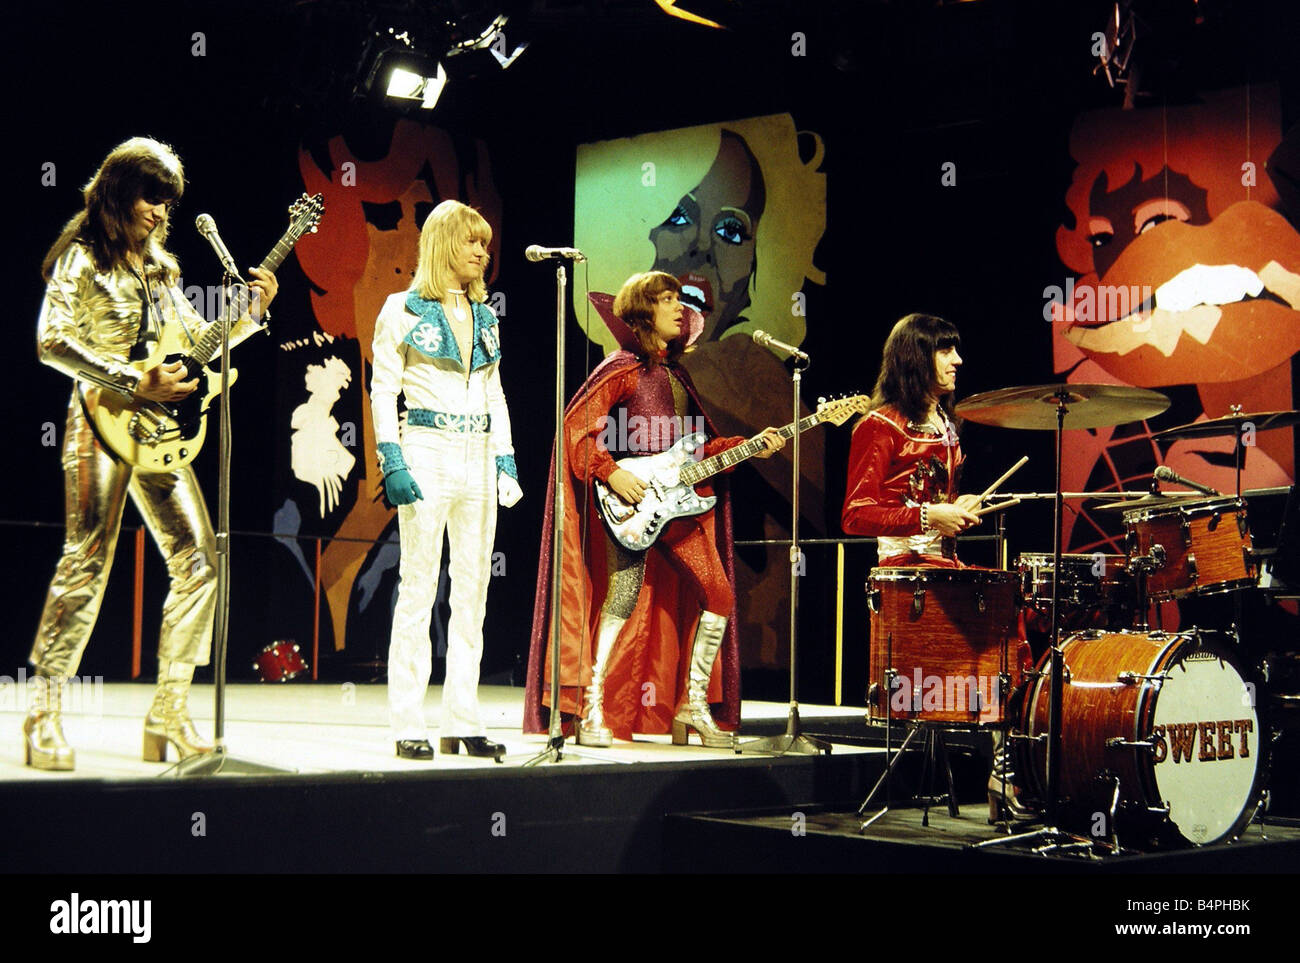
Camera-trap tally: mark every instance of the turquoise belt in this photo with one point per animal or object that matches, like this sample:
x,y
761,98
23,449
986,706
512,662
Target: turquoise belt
x,y
446,421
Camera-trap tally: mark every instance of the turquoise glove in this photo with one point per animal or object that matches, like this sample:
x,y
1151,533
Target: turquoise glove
x,y
401,488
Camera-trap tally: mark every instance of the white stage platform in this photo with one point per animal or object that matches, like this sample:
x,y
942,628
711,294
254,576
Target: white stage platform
x,y
313,728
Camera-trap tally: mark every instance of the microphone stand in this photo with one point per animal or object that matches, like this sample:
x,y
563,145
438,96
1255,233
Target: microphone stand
x,y
219,761
554,750
792,740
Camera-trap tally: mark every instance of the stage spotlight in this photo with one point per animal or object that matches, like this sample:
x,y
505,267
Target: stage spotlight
x,y
1115,49
402,75
405,84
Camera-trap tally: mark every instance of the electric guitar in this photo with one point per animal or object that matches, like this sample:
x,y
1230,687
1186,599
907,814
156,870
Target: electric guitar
x,y
166,436
670,478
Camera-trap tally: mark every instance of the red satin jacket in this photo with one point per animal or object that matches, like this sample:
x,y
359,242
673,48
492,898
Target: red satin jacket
x,y
894,468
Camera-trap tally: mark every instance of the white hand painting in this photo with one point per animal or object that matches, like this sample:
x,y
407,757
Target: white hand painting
x,y
317,456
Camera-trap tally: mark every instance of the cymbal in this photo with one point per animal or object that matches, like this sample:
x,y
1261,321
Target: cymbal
x,y
1232,424
1148,501
1087,406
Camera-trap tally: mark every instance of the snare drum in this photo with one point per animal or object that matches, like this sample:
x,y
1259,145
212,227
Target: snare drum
x,y
279,662
939,639
1206,545
1095,591
1170,716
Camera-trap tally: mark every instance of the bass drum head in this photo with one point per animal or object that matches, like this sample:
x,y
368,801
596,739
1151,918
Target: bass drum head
x,y
1207,744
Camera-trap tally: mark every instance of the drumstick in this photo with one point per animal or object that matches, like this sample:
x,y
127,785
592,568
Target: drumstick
x,y
1010,471
998,507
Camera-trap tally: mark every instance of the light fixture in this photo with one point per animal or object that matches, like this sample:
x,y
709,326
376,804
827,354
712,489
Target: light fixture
x,y
402,75
492,39
406,84
1117,44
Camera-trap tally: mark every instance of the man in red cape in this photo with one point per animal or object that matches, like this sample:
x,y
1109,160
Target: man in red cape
x,y
647,674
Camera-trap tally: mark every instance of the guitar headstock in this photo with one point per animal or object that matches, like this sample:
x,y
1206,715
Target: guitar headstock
x,y
839,410
305,214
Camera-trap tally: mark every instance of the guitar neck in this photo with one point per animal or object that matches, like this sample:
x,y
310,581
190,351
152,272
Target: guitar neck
x,y
206,348
696,473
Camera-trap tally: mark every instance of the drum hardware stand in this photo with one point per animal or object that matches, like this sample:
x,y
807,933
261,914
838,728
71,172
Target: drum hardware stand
x,y
218,761
1051,834
934,748
934,744
1143,566
792,740
890,675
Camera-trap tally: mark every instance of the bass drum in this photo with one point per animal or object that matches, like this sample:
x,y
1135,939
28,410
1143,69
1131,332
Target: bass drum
x,y
1168,717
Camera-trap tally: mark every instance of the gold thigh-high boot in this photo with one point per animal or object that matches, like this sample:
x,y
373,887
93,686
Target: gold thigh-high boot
x,y
169,716
592,730
44,746
694,712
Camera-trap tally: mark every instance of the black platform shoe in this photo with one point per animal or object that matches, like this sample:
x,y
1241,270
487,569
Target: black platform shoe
x,y
414,749
474,746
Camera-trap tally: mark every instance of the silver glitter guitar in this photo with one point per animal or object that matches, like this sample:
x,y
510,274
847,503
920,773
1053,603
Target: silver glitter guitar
x,y
670,477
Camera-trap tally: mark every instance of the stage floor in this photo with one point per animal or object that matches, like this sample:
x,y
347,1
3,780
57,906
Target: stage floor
x,y
321,728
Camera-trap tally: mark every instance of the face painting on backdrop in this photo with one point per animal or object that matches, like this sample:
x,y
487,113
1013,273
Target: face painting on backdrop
x,y
1187,283
734,211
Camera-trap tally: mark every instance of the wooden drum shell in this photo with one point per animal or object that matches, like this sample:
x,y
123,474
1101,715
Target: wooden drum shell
x,y
1207,547
940,626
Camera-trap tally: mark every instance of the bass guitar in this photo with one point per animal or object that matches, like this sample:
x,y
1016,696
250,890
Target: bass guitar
x,y
166,436
670,477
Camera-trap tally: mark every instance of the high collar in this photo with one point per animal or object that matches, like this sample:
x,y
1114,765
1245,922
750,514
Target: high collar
x,y
693,325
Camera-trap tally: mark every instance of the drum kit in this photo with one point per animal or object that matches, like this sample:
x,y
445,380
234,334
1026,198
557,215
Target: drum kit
x,y
1116,731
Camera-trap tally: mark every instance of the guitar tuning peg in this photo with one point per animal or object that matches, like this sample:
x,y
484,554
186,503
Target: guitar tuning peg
x,y
821,400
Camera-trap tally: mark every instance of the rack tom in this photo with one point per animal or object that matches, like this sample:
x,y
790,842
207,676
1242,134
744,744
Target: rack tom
x,y
1095,591
1206,547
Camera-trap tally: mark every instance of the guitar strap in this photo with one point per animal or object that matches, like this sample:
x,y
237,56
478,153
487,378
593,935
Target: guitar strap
x,y
180,315
149,329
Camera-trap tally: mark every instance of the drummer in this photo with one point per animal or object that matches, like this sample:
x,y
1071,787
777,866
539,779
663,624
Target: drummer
x,y
905,460
904,467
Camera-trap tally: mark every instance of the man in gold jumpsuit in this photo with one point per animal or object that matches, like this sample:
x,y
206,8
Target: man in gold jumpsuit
x,y
112,288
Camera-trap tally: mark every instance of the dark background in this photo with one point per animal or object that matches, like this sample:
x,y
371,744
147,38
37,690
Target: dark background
x,y
896,90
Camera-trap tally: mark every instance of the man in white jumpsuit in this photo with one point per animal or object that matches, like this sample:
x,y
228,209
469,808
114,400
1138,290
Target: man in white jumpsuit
x,y
445,467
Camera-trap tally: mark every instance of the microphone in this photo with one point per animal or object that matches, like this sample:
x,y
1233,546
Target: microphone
x,y
535,252
1167,474
208,228
767,341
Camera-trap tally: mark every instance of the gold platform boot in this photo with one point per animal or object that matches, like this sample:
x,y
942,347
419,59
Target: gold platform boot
x,y
592,730
43,744
169,716
694,712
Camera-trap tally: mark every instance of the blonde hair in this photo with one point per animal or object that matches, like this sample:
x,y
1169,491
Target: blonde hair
x,y
448,223
628,186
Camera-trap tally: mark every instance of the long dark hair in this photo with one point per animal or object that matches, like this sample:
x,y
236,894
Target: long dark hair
x,y
907,373
138,168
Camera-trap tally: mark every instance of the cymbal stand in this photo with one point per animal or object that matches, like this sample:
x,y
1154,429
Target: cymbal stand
x,y
1050,834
